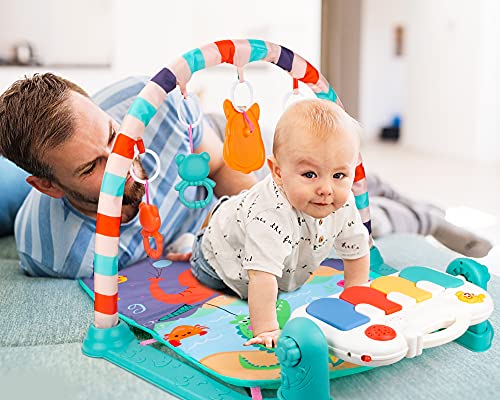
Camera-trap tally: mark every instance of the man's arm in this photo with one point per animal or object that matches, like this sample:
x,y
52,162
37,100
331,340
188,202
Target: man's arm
x,y
229,181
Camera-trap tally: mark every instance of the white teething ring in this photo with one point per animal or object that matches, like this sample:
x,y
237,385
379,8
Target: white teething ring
x,y
155,175
289,95
181,118
233,90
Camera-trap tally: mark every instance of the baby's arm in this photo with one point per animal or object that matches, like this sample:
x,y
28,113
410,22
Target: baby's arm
x,y
356,271
262,296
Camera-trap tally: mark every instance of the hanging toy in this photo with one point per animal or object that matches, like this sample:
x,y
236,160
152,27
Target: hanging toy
x,y
193,169
243,146
149,216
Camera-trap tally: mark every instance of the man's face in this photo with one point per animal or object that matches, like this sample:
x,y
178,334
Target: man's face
x,y
79,163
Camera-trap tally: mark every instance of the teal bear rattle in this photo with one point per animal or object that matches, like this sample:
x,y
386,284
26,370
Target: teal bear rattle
x,y
193,170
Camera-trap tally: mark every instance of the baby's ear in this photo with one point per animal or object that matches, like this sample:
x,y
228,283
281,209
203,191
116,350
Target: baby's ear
x,y
272,163
228,108
179,158
255,110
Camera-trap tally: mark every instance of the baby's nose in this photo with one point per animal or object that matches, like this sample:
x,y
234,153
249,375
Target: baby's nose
x,y
325,189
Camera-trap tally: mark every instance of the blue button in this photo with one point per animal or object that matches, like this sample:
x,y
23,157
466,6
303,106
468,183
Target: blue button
x,y
337,313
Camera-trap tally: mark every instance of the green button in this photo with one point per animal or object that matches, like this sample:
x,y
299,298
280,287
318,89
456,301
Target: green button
x,y
416,274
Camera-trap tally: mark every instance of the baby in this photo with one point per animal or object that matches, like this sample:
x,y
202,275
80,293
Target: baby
x,y
273,236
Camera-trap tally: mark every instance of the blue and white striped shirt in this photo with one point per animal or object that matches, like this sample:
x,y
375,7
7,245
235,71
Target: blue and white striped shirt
x,y
56,240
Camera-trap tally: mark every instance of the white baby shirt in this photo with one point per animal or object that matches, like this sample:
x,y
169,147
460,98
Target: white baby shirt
x,y
259,230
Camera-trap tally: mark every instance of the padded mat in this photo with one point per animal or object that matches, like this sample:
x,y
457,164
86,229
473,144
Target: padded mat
x,y
209,327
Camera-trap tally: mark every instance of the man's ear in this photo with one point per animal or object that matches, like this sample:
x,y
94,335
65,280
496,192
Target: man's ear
x,y
45,186
275,170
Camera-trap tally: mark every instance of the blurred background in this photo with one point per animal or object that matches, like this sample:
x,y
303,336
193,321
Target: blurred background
x,y
422,76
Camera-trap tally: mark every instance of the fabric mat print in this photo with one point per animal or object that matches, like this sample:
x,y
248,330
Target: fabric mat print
x,y
209,327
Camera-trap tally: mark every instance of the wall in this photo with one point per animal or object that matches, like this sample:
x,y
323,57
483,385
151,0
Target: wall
x,y
453,79
62,32
382,74
142,37
169,29
340,50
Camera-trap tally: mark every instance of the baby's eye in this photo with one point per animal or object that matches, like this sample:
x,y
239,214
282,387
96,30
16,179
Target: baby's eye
x,y
309,175
338,175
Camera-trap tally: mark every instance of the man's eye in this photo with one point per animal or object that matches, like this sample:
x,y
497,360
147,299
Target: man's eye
x,y
309,175
338,175
89,170
112,138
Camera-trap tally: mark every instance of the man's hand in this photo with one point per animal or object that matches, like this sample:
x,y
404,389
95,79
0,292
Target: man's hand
x,y
268,339
178,256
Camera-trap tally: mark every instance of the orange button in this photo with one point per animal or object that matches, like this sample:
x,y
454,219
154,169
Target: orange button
x,y
364,294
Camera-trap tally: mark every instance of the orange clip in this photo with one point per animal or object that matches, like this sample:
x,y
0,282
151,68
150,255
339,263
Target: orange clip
x,y
151,222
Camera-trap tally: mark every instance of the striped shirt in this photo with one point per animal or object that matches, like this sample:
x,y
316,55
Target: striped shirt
x,y
56,240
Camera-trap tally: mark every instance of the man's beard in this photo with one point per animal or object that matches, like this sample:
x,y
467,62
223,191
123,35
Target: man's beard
x,y
132,196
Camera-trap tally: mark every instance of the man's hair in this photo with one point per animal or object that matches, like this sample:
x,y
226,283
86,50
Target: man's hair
x,y
35,116
317,117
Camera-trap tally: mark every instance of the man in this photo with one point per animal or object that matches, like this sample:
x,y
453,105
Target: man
x,y
12,179
53,130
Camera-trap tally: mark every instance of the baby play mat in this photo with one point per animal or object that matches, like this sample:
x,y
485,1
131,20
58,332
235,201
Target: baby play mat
x,y
209,327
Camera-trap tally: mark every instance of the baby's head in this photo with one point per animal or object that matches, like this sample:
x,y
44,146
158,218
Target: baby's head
x,y
315,152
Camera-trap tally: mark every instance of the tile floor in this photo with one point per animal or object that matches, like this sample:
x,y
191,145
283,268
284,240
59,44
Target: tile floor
x,y
469,192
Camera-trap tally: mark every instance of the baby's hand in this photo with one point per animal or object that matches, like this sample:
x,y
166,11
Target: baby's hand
x,y
268,339
178,256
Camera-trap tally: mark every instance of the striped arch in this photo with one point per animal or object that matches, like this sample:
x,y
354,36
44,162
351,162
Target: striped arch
x,y
236,52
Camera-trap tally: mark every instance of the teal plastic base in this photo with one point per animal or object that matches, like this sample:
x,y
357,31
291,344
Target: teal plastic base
x,y
471,270
378,265
303,354
302,351
119,346
478,337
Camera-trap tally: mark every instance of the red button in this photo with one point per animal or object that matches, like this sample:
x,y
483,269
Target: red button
x,y
366,358
380,332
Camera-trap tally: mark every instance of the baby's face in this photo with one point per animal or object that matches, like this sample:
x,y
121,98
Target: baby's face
x,y
316,174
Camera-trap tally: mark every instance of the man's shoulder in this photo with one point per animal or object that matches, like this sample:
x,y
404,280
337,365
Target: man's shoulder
x,y
47,211
52,238
37,202
131,83
123,92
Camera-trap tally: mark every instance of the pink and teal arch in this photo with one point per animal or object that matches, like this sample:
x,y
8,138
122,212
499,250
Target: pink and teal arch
x,y
236,52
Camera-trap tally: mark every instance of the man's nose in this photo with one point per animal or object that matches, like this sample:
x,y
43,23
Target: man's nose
x,y
109,149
